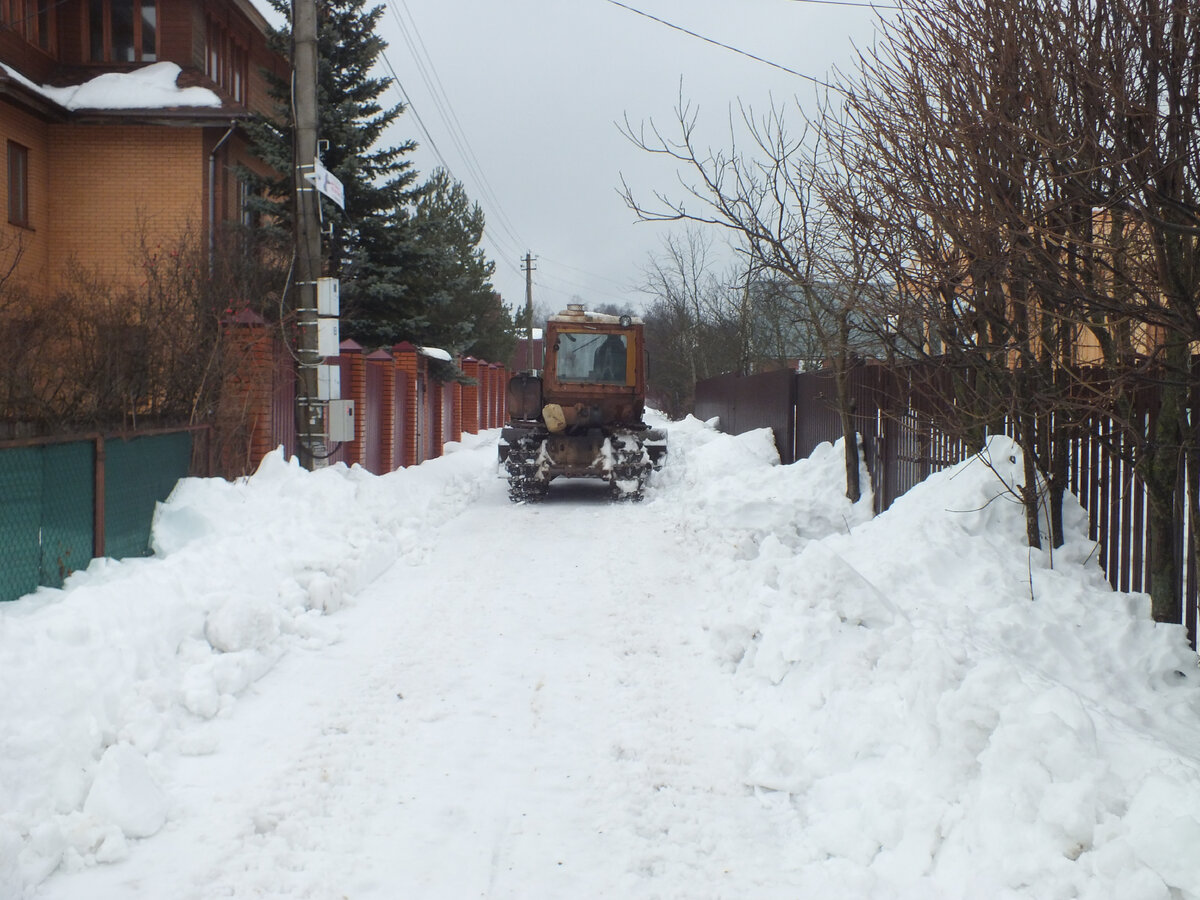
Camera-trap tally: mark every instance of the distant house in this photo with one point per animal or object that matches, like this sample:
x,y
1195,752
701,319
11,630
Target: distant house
x,y
120,117
786,326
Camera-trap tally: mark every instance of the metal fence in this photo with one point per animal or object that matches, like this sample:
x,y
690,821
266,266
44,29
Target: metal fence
x,y
902,445
65,501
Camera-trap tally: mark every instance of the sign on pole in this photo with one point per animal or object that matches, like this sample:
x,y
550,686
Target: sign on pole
x,y
325,182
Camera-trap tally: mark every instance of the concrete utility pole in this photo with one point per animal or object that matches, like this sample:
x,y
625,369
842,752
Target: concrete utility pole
x,y
529,270
310,421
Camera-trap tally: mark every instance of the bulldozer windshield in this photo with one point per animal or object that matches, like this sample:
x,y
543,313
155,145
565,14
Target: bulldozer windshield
x,y
588,357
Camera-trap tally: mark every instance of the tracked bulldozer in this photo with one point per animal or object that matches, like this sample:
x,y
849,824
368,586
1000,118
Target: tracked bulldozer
x,y
582,415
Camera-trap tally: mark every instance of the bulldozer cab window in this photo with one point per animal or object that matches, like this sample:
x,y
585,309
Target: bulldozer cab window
x,y
592,358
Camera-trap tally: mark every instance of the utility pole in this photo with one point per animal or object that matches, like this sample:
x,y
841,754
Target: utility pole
x,y
529,270
310,420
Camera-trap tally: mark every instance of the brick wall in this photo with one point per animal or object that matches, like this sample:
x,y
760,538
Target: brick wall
x,y
109,182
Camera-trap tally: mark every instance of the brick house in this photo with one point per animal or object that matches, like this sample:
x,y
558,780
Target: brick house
x,y
83,179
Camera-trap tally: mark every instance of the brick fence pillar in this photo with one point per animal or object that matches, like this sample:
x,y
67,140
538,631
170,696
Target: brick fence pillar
x,y
502,395
456,419
406,357
495,395
485,396
438,426
385,415
470,396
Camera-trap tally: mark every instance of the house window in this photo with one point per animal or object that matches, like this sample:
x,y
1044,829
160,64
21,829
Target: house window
x,y
123,30
31,19
225,61
18,184
248,216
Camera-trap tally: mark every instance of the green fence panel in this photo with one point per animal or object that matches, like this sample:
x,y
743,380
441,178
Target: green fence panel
x,y
68,509
139,473
20,520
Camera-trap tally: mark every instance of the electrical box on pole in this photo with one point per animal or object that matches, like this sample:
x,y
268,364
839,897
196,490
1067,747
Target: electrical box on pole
x,y
328,340
329,382
341,421
329,300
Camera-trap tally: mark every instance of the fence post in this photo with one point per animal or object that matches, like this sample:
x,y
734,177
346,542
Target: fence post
x,y
485,396
501,394
98,522
470,396
456,415
406,355
377,417
438,407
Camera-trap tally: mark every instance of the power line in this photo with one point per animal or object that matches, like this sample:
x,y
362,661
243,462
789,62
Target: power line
x,y
486,186
717,43
614,281
852,3
441,100
502,253
413,109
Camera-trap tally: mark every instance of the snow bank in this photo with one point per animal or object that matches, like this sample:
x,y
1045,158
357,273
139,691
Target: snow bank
x,y
948,713
925,707
107,678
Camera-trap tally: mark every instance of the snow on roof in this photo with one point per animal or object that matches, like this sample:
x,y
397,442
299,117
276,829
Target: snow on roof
x,y
150,87
575,312
435,353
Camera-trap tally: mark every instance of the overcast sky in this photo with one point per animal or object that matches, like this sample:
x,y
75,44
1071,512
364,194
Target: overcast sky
x,y
521,100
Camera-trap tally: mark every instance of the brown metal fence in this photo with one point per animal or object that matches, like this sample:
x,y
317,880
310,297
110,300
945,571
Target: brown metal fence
x,y
895,416
744,403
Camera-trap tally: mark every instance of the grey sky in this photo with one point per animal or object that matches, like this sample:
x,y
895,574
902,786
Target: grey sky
x,y
521,100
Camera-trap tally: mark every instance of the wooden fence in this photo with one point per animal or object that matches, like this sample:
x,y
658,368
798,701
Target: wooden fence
x,y
403,414
903,446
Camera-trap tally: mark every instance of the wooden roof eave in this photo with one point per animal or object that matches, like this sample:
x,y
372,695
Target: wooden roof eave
x,y
20,94
179,116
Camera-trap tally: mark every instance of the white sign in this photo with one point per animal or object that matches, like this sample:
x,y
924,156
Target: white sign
x,y
325,182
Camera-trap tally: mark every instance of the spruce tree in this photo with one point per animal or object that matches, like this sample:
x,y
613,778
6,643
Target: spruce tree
x,y
450,282
407,255
367,249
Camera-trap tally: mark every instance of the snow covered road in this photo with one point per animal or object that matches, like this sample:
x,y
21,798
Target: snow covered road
x,y
333,685
533,711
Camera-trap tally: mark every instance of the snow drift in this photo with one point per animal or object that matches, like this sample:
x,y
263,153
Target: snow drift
x,y
919,706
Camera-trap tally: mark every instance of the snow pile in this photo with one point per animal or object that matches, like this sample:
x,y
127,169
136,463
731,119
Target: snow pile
x,y
734,499
946,713
790,699
106,676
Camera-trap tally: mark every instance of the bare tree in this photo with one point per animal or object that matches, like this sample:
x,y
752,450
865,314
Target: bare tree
x,y
774,203
697,322
1034,166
